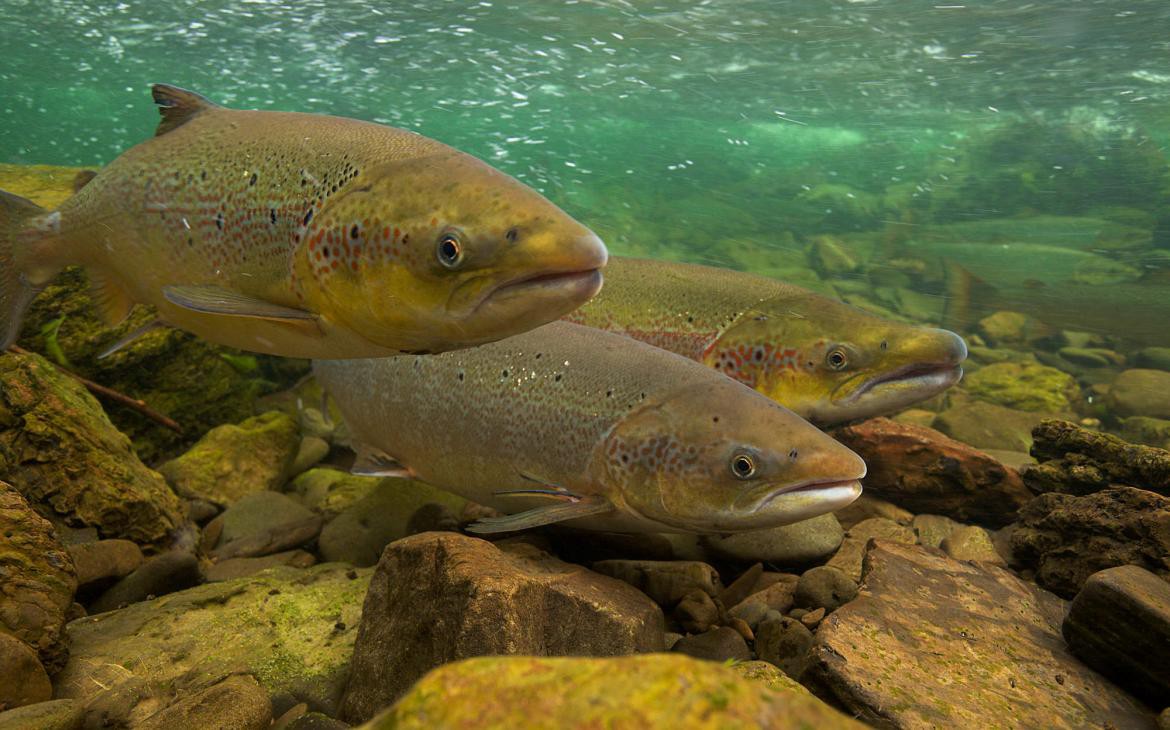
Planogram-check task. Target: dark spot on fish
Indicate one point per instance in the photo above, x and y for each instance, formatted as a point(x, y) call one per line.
point(792, 454)
point(405, 238)
point(252, 181)
point(460, 376)
point(190, 241)
point(715, 419)
point(557, 377)
point(690, 319)
point(333, 188)
point(308, 216)
point(884, 345)
point(609, 394)
point(625, 458)
point(504, 374)
point(219, 221)
point(272, 215)
point(511, 235)
point(353, 232)
point(325, 251)
point(203, 174)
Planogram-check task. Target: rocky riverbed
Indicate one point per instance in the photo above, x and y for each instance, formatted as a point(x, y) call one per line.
point(1008, 565)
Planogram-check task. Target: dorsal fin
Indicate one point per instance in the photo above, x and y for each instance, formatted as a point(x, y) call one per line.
point(177, 106)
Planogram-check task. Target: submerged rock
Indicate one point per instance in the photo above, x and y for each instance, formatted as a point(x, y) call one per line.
point(989, 426)
point(716, 645)
point(23, 681)
point(665, 581)
point(1025, 386)
point(37, 580)
point(439, 597)
point(784, 642)
point(1119, 624)
point(801, 543)
point(103, 561)
point(924, 471)
point(52, 715)
point(658, 691)
point(237, 702)
point(292, 629)
point(60, 450)
point(1141, 392)
point(1066, 538)
point(933, 642)
point(164, 573)
point(233, 460)
point(1076, 460)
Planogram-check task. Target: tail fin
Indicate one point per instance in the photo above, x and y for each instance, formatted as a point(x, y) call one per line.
point(15, 291)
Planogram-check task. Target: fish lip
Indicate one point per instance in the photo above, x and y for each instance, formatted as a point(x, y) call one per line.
point(554, 279)
point(808, 485)
point(934, 377)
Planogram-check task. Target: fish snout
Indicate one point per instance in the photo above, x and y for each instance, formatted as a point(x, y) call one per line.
point(951, 348)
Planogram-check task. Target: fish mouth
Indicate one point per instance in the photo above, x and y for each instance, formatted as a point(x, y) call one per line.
point(577, 285)
point(763, 497)
point(920, 380)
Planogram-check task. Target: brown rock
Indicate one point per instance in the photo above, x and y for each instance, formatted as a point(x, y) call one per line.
point(104, 560)
point(1079, 461)
point(932, 642)
point(971, 542)
point(852, 551)
point(237, 702)
point(867, 506)
point(242, 567)
point(1119, 624)
point(813, 618)
point(439, 597)
point(273, 540)
point(924, 471)
point(824, 587)
point(717, 645)
point(23, 680)
point(164, 573)
point(696, 612)
point(1066, 538)
point(931, 530)
point(53, 715)
point(989, 426)
point(37, 581)
point(778, 596)
point(784, 642)
point(665, 581)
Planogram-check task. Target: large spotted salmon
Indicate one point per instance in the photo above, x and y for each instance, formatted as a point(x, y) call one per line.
point(304, 235)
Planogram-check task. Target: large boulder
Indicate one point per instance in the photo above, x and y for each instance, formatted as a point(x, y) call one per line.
point(1024, 386)
point(1141, 392)
point(988, 426)
point(662, 691)
point(59, 449)
point(1076, 460)
point(292, 629)
point(37, 580)
point(438, 597)
point(924, 471)
point(233, 460)
point(1065, 538)
point(934, 642)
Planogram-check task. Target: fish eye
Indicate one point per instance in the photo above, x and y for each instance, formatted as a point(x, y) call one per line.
point(449, 251)
point(743, 466)
point(837, 359)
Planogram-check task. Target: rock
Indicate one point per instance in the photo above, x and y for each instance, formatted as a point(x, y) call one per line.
point(66, 458)
point(164, 573)
point(200, 511)
point(438, 597)
point(867, 506)
point(665, 581)
point(1006, 328)
point(915, 417)
point(829, 256)
point(654, 692)
point(970, 542)
point(238, 702)
point(924, 471)
point(359, 533)
point(717, 645)
point(777, 596)
point(883, 653)
point(750, 611)
point(329, 491)
point(696, 612)
point(104, 560)
point(37, 581)
point(258, 512)
point(1148, 431)
point(23, 681)
point(813, 618)
point(234, 568)
point(293, 629)
point(932, 529)
point(53, 715)
point(432, 517)
point(311, 451)
point(1065, 538)
point(1076, 460)
point(1025, 386)
point(590, 546)
point(1119, 624)
point(316, 721)
point(852, 551)
point(989, 426)
point(233, 460)
point(784, 642)
point(800, 543)
point(1141, 392)
point(824, 587)
point(272, 540)
point(1091, 357)
point(1153, 358)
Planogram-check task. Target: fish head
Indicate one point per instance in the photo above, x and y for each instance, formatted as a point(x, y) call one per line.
point(725, 459)
point(444, 251)
point(832, 363)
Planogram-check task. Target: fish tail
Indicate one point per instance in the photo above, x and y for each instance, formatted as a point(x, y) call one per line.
point(16, 290)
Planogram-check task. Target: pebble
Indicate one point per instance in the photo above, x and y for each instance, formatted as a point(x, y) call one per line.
point(272, 540)
point(665, 581)
point(813, 618)
point(741, 627)
point(932, 529)
point(104, 560)
point(784, 642)
point(311, 451)
point(260, 512)
point(23, 681)
point(751, 612)
point(1091, 357)
point(716, 645)
point(200, 511)
point(778, 595)
point(971, 542)
point(867, 506)
point(696, 612)
point(824, 587)
point(164, 573)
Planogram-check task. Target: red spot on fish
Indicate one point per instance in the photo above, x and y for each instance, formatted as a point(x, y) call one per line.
point(434, 222)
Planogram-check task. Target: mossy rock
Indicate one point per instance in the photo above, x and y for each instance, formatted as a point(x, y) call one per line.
point(330, 492)
point(58, 448)
point(645, 691)
point(1025, 386)
point(233, 460)
point(173, 372)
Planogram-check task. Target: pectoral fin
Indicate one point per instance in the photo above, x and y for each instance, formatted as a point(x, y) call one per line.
point(374, 463)
point(542, 516)
point(113, 301)
point(217, 300)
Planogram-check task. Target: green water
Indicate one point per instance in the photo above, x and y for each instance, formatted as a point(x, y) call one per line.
point(965, 158)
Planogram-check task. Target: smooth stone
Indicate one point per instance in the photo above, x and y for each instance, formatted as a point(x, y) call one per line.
point(1024, 386)
point(784, 642)
point(161, 574)
point(439, 597)
point(696, 612)
point(1141, 392)
point(259, 512)
point(329, 491)
point(989, 426)
point(717, 645)
point(867, 506)
point(750, 611)
point(849, 557)
point(51, 715)
point(432, 517)
point(665, 581)
point(800, 543)
point(1005, 328)
point(200, 511)
point(971, 542)
point(777, 596)
point(650, 692)
point(824, 587)
point(915, 417)
point(1145, 430)
point(275, 539)
point(104, 559)
point(813, 618)
point(317, 721)
point(23, 681)
point(238, 702)
point(1091, 357)
point(882, 653)
point(311, 451)
point(932, 529)
point(234, 568)
point(1119, 624)
point(1152, 358)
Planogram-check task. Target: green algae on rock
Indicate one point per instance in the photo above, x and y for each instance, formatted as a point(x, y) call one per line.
point(636, 692)
point(1025, 386)
point(233, 460)
point(293, 629)
point(60, 450)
